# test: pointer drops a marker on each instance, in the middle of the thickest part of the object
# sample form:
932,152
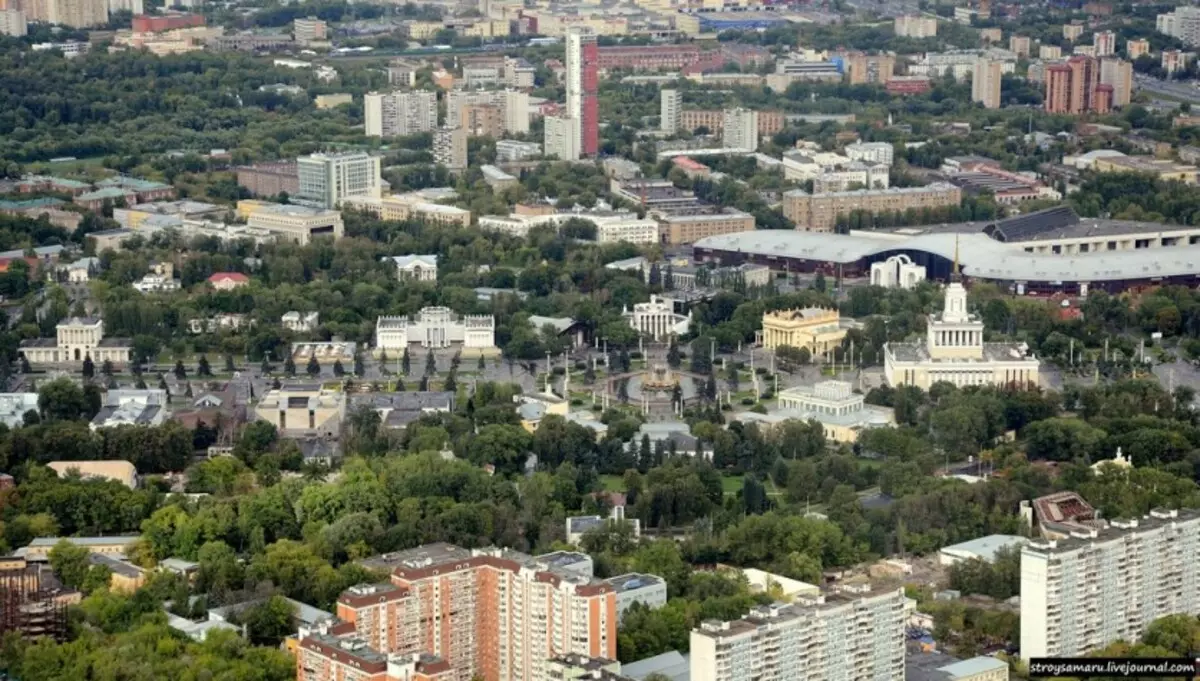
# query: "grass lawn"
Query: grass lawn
732,484
613,483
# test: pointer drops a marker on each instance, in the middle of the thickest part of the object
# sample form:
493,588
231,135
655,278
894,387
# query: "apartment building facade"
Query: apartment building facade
1096,586
819,212
450,147
393,114
766,122
689,227
871,69
327,179
985,83
497,614
823,638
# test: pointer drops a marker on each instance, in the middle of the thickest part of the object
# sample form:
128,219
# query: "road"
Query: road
1173,89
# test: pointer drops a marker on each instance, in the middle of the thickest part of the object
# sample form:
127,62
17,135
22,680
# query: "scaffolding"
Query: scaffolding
28,608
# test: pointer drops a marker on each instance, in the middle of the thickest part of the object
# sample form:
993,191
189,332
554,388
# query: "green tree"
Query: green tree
202,367
70,563
269,622
314,367
180,370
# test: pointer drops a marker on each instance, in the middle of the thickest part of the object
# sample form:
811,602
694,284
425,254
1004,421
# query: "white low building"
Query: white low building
953,351
842,413
648,590
156,283
983,548
898,271
657,319
131,408
14,406
301,322
415,267
435,327
853,175
611,226
871,152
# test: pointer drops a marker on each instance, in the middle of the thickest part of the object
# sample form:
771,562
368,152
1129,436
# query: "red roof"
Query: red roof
229,276
688,163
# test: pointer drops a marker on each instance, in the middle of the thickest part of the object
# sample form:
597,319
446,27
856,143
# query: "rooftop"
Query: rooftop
633,581
1157,518
674,665
985,548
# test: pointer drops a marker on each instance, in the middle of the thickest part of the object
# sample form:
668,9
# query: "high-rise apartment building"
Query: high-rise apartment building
496,614
838,636
1071,87
740,129
12,22
73,13
871,69
518,72
450,147
669,109
400,113
482,120
560,140
326,179
1119,74
1136,47
583,80
1183,23
516,111
985,83
1105,43
915,26
1094,587
1019,45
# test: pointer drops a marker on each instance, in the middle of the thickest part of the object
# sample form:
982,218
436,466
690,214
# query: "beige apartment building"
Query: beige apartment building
871,68
819,212
689,228
769,122
1019,45
985,83
73,13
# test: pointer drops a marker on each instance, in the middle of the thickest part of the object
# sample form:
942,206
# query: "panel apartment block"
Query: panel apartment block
1096,586
826,638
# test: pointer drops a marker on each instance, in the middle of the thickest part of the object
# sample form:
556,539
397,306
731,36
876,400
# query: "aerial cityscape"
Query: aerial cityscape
609,340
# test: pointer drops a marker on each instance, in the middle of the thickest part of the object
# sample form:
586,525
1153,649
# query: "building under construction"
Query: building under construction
30,605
